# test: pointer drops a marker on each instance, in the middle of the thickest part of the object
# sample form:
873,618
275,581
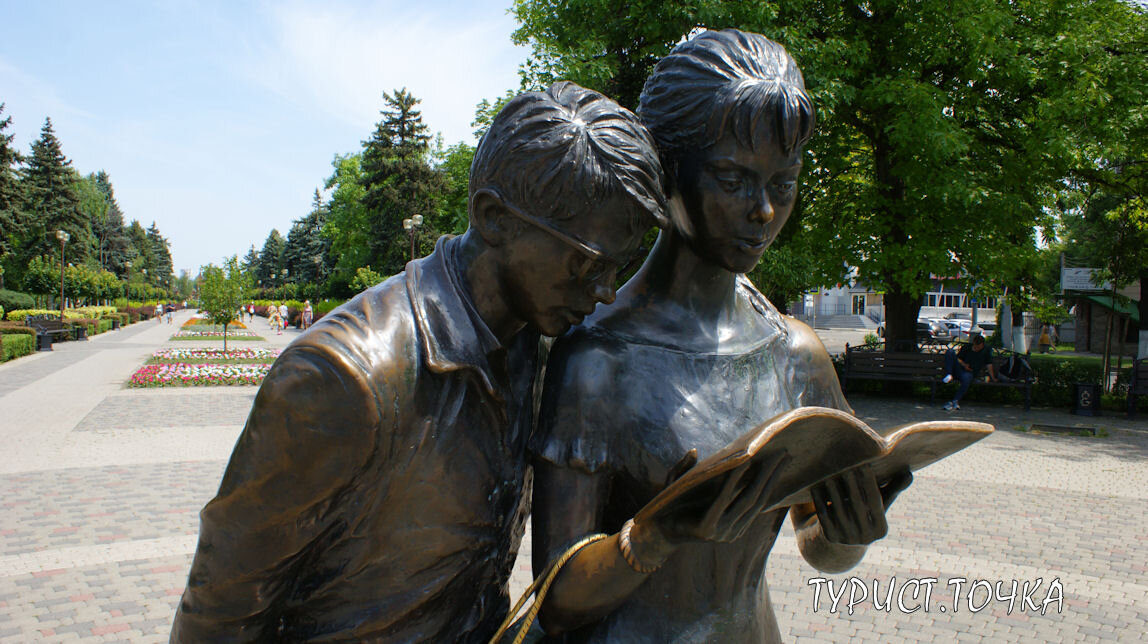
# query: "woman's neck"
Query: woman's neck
677,273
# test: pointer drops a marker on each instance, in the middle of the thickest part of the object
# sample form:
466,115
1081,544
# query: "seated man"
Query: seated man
966,365
376,492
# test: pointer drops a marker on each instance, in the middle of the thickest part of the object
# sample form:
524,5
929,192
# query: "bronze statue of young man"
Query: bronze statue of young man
376,491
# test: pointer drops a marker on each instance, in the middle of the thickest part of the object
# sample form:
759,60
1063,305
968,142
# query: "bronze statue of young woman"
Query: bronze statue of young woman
689,357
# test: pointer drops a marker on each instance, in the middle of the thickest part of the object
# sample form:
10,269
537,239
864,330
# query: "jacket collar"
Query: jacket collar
451,333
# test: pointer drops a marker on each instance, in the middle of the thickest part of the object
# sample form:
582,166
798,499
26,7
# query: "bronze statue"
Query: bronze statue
377,490
687,358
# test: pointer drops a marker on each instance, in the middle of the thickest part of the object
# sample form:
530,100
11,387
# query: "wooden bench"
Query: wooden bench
1138,386
47,329
904,366
927,367
1023,381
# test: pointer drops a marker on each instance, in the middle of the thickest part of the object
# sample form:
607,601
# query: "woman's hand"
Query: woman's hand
741,499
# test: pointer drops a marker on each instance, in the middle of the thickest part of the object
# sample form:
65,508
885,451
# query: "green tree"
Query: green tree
454,215
111,237
222,291
271,260
346,225
306,253
11,196
161,271
141,252
399,182
51,202
942,134
42,279
365,278
486,110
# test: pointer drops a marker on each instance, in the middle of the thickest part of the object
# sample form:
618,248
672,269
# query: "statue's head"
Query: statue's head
563,185
729,113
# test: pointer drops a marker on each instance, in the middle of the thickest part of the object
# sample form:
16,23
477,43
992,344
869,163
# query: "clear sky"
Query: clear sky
217,120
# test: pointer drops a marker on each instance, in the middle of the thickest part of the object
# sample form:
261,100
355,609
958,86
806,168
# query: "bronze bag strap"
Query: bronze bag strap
539,589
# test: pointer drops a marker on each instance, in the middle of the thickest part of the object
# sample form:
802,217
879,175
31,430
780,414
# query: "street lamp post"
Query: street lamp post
411,225
128,280
63,237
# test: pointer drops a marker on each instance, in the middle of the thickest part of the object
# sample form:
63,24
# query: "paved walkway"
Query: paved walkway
101,485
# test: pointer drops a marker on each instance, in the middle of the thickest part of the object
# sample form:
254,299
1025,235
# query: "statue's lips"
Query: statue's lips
753,244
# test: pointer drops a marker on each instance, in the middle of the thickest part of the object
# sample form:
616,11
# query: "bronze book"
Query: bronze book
821,443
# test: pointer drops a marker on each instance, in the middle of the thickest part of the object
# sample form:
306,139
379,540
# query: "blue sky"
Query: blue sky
217,120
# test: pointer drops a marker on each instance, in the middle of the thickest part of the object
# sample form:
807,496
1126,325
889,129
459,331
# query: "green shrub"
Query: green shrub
1,312
13,300
16,345
17,330
18,316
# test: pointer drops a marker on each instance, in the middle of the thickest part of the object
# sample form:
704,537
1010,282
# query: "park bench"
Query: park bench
1138,386
1022,380
47,329
904,366
927,367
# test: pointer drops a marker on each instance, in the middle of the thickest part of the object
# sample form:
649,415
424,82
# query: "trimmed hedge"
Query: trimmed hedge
17,330
15,300
16,345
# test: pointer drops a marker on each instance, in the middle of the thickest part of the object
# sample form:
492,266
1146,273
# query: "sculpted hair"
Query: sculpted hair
722,82
558,154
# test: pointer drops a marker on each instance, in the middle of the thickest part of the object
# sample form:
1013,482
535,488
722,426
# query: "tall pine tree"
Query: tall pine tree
399,182
11,221
306,251
51,202
161,257
111,239
271,260
10,196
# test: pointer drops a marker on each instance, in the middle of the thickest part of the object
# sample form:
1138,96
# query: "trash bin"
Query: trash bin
1086,399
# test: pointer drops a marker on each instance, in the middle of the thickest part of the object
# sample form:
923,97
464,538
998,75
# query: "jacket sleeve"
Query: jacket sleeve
310,431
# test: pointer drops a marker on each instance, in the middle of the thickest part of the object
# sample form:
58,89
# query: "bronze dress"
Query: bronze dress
625,411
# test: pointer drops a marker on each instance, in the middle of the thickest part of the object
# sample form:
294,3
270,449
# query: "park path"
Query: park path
101,485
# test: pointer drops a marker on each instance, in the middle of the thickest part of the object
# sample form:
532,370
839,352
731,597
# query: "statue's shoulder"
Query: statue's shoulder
375,326
802,337
585,354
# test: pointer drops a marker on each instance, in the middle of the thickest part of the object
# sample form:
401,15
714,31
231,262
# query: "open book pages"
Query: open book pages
821,443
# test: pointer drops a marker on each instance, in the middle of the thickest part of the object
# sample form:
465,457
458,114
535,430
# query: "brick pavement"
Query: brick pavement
101,486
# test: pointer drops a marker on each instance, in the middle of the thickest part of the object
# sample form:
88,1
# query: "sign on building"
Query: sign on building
1080,279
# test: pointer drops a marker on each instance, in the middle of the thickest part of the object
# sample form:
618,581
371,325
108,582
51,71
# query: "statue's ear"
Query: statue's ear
489,216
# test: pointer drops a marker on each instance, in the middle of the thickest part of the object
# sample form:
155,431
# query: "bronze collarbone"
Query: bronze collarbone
821,443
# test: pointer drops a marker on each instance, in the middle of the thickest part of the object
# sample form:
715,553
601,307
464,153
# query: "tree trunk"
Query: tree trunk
901,311
225,339
1142,351
1108,340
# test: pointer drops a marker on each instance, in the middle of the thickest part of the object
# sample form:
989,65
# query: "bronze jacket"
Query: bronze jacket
376,492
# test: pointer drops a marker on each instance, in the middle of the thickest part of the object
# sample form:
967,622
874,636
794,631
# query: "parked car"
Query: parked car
933,331
929,331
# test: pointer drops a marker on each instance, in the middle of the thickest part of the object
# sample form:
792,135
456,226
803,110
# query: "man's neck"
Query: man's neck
479,274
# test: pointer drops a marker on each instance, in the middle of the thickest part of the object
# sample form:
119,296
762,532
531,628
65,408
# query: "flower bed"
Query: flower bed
189,334
214,355
182,374
193,322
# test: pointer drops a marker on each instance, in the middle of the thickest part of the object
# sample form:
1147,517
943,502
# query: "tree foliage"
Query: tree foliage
51,202
222,290
11,224
944,131
399,182
270,265
306,254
